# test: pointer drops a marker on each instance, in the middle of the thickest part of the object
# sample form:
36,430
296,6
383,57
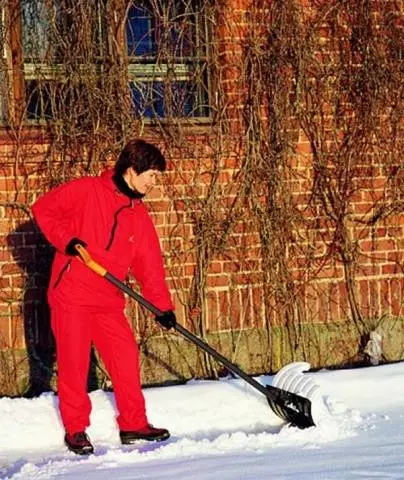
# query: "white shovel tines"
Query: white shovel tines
292,379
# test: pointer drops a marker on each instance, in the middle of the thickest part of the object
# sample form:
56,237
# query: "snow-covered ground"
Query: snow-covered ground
222,430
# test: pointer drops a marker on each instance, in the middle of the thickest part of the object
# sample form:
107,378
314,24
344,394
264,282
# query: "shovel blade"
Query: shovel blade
293,408
291,393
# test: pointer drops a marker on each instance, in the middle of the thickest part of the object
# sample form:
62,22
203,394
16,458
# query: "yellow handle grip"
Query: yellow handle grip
92,264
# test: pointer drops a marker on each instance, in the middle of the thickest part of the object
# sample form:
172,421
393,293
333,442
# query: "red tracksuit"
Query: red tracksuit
86,308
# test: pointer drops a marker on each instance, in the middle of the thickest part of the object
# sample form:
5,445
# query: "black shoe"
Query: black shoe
147,433
79,443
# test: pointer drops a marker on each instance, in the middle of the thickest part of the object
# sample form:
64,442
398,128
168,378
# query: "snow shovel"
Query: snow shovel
290,406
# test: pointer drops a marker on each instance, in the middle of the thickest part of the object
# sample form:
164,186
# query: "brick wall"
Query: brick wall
234,290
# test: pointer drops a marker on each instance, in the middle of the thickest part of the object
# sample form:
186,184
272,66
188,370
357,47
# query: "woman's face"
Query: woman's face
142,182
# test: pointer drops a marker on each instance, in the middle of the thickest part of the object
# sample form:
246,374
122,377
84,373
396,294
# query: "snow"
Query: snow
222,430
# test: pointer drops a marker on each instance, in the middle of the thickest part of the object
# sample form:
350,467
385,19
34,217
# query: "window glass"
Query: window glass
140,32
38,99
35,30
151,99
171,37
52,29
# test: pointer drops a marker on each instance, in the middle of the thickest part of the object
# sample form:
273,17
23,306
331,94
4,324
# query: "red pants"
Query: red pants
75,329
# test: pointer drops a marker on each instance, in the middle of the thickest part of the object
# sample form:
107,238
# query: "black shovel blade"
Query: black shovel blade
291,407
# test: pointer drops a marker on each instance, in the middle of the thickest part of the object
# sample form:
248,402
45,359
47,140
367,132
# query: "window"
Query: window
167,51
163,46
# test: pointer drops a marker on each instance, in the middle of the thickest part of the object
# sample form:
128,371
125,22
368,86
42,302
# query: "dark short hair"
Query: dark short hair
141,156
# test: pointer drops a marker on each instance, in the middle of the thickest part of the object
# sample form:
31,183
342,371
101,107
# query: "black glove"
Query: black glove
71,246
167,319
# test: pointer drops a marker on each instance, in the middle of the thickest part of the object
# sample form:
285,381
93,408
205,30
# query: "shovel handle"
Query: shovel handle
93,265
88,260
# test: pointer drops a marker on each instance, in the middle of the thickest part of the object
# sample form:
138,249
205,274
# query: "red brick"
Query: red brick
10,269
4,332
212,311
393,268
374,292
364,297
5,282
224,310
396,295
215,267
344,310
333,302
17,337
258,306
217,281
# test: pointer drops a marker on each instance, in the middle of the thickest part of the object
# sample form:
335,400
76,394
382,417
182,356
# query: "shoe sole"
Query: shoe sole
142,439
80,451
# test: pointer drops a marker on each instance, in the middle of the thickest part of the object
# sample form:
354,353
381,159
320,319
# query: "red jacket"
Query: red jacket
119,233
